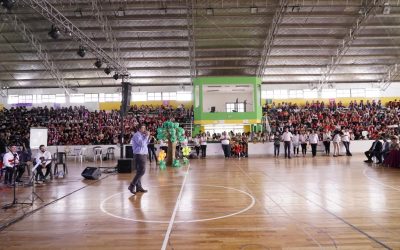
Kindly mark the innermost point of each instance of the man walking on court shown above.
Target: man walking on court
(139, 146)
(287, 138)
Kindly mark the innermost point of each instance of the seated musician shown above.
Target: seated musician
(11, 161)
(44, 157)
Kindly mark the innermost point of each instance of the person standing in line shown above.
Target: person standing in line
(326, 138)
(346, 141)
(151, 148)
(196, 141)
(139, 147)
(287, 138)
(226, 147)
(313, 139)
(295, 143)
(203, 145)
(336, 141)
(277, 144)
(303, 139)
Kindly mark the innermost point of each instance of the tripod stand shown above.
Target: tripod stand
(15, 201)
(34, 195)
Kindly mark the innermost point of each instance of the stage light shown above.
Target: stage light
(81, 51)
(116, 76)
(98, 63)
(253, 10)
(8, 4)
(54, 32)
(107, 70)
(386, 9)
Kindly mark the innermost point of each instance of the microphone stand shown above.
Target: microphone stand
(15, 201)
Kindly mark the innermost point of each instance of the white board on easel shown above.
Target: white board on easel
(38, 136)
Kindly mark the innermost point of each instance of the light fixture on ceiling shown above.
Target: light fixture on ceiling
(81, 51)
(98, 63)
(8, 4)
(116, 76)
(210, 11)
(107, 70)
(54, 32)
(253, 10)
(78, 13)
(120, 12)
(386, 8)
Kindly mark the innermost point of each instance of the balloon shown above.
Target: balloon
(176, 163)
(163, 166)
(161, 156)
(186, 151)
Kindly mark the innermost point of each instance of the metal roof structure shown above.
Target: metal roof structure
(316, 42)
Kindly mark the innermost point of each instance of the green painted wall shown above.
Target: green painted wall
(199, 82)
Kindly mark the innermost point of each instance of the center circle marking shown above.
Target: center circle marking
(104, 210)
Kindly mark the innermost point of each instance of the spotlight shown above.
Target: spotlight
(98, 63)
(116, 76)
(81, 51)
(253, 10)
(107, 70)
(386, 9)
(54, 32)
(210, 11)
(8, 4)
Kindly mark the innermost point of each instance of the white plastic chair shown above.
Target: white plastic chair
(98, 153)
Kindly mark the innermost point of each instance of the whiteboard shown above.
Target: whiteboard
(38, 136)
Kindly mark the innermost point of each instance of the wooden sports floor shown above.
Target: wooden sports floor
(246, 204)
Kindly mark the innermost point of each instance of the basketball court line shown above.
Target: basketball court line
(379, 182)
(171, 222)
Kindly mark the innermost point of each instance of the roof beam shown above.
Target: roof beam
(191, 38)
(272, 31)
(391, 74)
(41, 52)
(50, 13)
(351, 35)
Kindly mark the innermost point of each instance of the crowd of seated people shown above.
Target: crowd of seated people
(79, 126)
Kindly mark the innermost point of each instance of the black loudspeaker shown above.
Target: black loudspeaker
(212, 109)
(125, 165)
(126, 97)
(91, 173)
(128, 152)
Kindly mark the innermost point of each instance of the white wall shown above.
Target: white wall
(215, 149)
(219, 100)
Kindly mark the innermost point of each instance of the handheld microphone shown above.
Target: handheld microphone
(15, 155)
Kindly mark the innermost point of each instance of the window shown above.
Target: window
(328, 93)
(25, 99)
(116, 97)
(139, 96)
(357, 92)
(12, 99)
(169, 96)
(91, 97)
(280, 94)
(296, 93)
(154, 96)
(343, 93)
(372, 93)
(48, 98)
(37, 99)
(230, 107)
(77, 98)
(310, 93)
(60, 98)
(183, 96)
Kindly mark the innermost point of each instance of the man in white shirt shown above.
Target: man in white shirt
(313, 139)
(346, 141)
(287, 138)
(11, 163)
(44, 157)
